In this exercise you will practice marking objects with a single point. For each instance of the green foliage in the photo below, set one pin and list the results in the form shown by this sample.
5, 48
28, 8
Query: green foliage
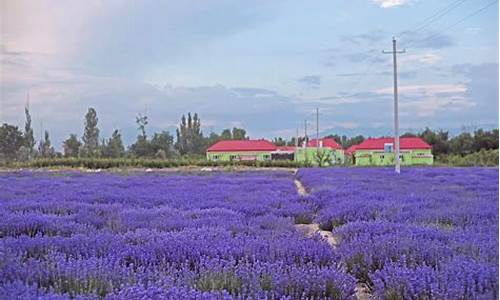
29, 139
45, 148
189, 136
91, 134
345, 141
220, 281
113, 148
323, 158
162, 145
11, 140
106, 163
72, 146
483, 158
239, 134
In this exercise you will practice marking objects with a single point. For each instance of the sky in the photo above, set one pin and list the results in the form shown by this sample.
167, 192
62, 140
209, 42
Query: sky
261, 65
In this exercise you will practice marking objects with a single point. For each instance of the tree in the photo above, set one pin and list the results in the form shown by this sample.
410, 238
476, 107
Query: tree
11, 140
45, 148
438, 140
462, 144
113, 147
162, 145
226, 134
72, 146
279, 141
141, 147
29, 139
142, 121
239, 133
189, 136
91, 134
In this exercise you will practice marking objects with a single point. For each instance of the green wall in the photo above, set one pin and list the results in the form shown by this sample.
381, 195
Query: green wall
380, 158
309, 154
228, 156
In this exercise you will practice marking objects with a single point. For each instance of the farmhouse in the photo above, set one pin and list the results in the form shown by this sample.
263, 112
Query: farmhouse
241, 150
380, 152
330, 152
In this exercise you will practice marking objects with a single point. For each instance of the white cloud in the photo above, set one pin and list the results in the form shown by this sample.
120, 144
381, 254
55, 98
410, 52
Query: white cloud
425, 90
392, 3
427, 100
418, 59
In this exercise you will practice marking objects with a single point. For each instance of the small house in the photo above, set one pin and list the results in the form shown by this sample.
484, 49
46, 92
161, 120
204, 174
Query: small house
380, 152
327, 151
241, 150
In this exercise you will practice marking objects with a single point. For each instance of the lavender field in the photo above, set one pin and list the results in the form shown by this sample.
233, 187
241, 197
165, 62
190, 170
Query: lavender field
429, 233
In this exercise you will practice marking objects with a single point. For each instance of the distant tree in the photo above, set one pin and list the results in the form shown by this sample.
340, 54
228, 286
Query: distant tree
212, 139
45, 148
239, 134
189, 136
226, 134
11, 140
438, 140
29, 139
141, 147
91, 134
142, 121
355, 140
485, 139
162, 145
279, 141
462, 144
292, 141
408, 134
71, 146
113, 147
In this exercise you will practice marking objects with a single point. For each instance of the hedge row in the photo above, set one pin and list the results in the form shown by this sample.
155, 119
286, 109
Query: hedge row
106, 163
482, 158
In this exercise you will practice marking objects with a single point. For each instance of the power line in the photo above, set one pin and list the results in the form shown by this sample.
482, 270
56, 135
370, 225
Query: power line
436, 34
436, 16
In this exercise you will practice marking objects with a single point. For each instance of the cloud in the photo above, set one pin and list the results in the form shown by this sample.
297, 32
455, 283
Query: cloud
481, 83
419, 59
312, 81
392, 3
427, 100
368, 37
425, 40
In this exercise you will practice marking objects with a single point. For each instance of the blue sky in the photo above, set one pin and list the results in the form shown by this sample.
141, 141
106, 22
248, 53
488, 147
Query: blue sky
261, 65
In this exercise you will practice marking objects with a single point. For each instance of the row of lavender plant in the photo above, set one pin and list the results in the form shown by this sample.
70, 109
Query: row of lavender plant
428, 233
153, 236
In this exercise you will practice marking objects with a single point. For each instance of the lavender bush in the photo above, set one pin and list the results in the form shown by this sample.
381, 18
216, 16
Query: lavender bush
69, 235
428, 233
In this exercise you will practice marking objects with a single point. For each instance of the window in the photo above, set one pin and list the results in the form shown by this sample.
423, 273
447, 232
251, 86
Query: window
388, 147
266, 156
382, 157
232, 157
215, 157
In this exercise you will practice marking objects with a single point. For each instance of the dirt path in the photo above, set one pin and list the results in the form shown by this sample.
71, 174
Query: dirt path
309, 230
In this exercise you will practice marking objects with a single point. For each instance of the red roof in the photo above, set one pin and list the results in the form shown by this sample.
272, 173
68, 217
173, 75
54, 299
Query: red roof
327, 142
404, 143
286, 148
242, 145
350, 150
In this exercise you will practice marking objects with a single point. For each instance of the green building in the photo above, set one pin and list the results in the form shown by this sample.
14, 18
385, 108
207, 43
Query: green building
241, 150
380, 152
328, 153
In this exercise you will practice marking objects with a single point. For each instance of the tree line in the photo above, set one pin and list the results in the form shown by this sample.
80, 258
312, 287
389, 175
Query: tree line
20, 145
189, 141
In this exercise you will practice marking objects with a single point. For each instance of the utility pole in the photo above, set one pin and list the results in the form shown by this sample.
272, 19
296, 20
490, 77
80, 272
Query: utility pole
394, 53
305, 133
296, 143
317, 130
